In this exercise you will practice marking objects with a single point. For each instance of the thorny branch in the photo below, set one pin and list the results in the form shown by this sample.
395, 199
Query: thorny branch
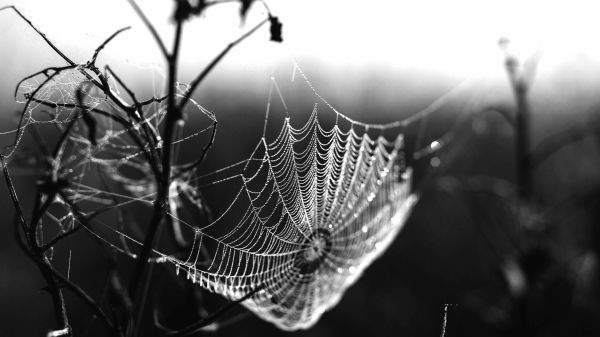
97, 51
174, 114
38, 256
141, 275
195, 327
196, 82
205, 150
157, 156
58, 51
150, 26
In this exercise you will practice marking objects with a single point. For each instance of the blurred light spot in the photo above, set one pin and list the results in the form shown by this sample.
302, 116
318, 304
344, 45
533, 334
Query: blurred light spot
479, 125
517, 283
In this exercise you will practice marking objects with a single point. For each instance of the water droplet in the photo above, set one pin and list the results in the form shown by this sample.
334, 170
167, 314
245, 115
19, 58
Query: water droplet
352, 269
181, 123
176, 269
365, 229
435, 162
371, 197
405, 175
340, 270
377, 245
50, 253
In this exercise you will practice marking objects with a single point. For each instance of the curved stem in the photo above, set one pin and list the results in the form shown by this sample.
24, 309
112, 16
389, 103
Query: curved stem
38, 256
195, 327
141, 275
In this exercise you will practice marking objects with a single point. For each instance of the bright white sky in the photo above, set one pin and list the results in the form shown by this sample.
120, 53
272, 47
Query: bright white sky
455, 37
405, 50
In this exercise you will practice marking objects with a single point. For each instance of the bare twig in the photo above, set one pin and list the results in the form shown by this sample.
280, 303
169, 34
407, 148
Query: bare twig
122, 84
60, 53
521, 80
522, 127
194, 84
123, 122
444, 321
97, 51
158, 157
38, 256
552, 144
141, 273
13, 195
29, 100
153, 100
150, 27
195, 327
87, 299
136, 112
84, 221
46, 72
207, 147
127, 125
61, 236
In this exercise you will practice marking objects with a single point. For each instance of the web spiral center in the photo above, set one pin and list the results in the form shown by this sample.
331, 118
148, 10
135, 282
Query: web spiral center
318, 245
315, 249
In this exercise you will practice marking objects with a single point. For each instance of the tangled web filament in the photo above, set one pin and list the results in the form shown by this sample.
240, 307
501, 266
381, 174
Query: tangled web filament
314, 207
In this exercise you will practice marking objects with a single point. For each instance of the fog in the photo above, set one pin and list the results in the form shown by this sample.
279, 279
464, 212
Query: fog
375, 62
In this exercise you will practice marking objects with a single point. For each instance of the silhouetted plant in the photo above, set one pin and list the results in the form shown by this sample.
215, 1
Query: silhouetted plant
135, 154
79, 99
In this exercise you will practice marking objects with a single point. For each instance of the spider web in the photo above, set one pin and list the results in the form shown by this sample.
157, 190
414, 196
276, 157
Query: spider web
316, 207
313, 209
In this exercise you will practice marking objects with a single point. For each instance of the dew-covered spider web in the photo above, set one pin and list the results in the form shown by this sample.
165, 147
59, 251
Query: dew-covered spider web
315, 208
312, 209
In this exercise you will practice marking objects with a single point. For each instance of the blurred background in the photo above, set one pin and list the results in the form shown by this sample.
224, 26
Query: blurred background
509, 274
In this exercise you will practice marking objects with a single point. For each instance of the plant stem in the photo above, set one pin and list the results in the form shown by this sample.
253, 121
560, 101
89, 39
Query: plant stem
197, 326
522, 143
60, 309
38, 257
194, 84
141, 275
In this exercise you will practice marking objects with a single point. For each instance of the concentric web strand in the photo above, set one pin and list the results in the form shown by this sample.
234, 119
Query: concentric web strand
312, 208
316, 207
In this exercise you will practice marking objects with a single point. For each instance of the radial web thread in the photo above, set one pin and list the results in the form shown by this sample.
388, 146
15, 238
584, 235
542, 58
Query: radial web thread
317, 207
